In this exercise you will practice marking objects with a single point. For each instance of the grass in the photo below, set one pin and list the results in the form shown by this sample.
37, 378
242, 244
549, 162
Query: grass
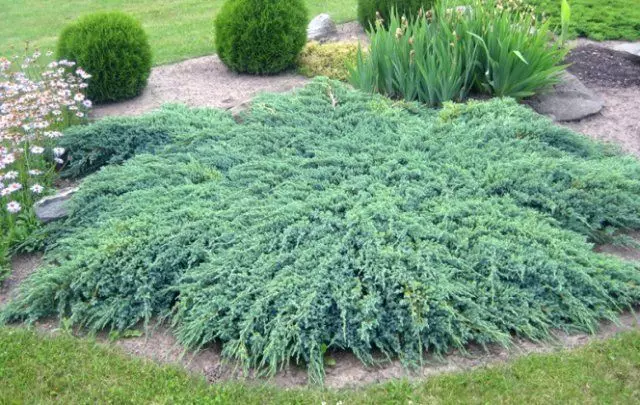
183, 29
37, 369
177, 30
597, 19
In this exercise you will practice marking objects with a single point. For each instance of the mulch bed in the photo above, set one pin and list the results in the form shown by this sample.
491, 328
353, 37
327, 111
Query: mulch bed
595, 65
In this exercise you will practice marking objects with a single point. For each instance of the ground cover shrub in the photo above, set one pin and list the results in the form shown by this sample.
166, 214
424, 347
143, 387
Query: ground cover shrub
261, 37
332, 219
447, 52
596, 19
369, 11
114, 140
114, 49
37, 101
333, 60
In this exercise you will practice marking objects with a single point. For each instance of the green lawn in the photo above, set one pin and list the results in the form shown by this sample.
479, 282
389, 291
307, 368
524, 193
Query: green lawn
36, 369
178, 29
181, 29
597, 19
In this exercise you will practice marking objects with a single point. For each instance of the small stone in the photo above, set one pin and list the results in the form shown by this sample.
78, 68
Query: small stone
53, 208
569, 100
321, 28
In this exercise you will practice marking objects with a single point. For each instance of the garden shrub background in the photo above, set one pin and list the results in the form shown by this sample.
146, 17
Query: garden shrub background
444, 55
333, 219
333, 60
114, 49
180, 30
261, 37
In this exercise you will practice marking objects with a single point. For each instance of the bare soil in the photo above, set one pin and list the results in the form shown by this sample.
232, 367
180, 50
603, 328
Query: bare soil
603, 67
200, 82
21, 267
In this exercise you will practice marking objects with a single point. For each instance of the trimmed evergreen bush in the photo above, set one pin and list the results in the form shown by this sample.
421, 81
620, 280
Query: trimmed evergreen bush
260, 37
113, 48
367, 10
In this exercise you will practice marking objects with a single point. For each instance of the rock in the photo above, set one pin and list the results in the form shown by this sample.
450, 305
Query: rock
569, 100
321, 28
632, 49
53, 208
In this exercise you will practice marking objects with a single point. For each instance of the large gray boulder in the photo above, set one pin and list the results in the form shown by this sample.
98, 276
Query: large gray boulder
569, 100
321, 28
53, 208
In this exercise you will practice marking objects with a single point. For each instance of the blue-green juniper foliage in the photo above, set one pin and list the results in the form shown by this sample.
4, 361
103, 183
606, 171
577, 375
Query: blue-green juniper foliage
332, 219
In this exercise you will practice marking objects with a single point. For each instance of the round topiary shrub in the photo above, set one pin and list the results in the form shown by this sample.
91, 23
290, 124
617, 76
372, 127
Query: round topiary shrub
367, 9
114, 49
261, 37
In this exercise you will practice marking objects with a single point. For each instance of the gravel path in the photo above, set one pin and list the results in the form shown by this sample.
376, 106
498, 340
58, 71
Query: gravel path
616, 77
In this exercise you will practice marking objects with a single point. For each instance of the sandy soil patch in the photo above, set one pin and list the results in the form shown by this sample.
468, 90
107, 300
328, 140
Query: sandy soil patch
618, 122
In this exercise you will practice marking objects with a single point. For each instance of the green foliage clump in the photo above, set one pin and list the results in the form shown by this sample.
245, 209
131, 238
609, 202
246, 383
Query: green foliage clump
446, 53
333, 60
596, 19
261, 37
113, 48
332, 219
114, 140
370, 10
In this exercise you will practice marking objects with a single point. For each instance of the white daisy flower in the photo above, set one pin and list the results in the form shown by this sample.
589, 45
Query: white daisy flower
8, 159
37, 150
10, 175
13, 207
14, 187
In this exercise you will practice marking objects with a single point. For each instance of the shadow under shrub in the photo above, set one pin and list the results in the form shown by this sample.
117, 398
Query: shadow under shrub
332, 219
114, 49
261, 37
